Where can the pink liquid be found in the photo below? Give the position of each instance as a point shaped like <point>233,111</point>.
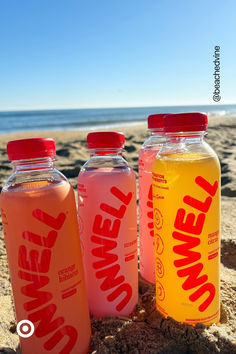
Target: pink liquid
<point>44,257</point>
<point>146,228</point>
<point>108,231</point>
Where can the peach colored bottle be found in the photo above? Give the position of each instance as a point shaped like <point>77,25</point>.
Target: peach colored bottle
<point>146,230</point>
<point>186,177</point>
<point>108,226</point>
<point>43,248</point>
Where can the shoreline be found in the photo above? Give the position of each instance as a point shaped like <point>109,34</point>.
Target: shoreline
<point>117,127</point>
<point>214,119</point>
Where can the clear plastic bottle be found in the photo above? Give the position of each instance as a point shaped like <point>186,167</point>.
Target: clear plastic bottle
<point>146,230</point>
<point>43,248</point>
<point>186,202</point>
<point>108,226</point>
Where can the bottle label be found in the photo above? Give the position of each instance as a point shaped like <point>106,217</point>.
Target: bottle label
<point>110,246</point>
<point>186,224</point>
<point>105,233</point>
<point>46,268</point>
<point>187,228</point>
<point>31,261</point>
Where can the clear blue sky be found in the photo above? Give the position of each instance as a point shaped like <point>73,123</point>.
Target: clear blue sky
<point>104,53</point>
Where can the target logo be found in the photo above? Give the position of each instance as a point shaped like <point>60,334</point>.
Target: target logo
<point>25,328</point>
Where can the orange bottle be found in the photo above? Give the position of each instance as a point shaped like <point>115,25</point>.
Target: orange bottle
<point>43,248</point>
<point>186,202</point>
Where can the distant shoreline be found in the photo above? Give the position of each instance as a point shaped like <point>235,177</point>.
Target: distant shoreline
<point>85,128</point>
<point>213,120</point>
<point>93,119</point>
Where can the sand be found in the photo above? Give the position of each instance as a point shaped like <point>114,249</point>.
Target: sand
<point>146,331</point>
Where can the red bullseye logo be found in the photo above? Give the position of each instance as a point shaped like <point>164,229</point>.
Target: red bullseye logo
<point>25,328</point>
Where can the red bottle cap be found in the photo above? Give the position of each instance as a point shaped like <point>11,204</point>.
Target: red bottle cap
<point>156,121</point>
<point>105,140</point>
<point>24,149</point>
<point>185,122</point>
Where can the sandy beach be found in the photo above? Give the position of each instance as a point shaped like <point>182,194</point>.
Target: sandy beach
<point>146,331</point>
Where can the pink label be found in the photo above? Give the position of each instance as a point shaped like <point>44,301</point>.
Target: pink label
<point>109,237</point>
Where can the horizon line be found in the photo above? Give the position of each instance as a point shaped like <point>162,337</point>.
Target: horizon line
<point>114,107</point>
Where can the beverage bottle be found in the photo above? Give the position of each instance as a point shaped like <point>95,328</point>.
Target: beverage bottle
<point>146,230</point>
<point>186,179</point>
<point>108,226</point>
<point>43,248</point>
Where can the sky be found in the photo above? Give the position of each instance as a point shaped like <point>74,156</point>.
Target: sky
<point>123,53</point>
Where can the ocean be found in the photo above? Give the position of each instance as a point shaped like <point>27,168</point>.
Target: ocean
<point>69,119</point>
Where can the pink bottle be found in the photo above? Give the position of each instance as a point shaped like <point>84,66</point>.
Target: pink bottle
<point>146,228</point>
<point>44,256</point>
<point>108,226</point>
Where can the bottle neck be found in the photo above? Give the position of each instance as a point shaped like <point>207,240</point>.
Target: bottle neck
<point>42,163</point>
<point>156,132</point>
<point>105,152</point>
<point>185,137</point>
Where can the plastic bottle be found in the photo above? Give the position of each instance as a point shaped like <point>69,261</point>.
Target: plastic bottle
<point>146,230</point>
<point>108,224</point>
<point>43,248</point>
<point>186,202</point>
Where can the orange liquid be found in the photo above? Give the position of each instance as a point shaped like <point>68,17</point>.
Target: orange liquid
<point>173,179</point>
<point>62,287</point>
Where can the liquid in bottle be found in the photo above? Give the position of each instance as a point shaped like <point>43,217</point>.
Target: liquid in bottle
<point>43,249</point>
<point>146,229</point>
<point>108,226</point>
<point>186,179</point>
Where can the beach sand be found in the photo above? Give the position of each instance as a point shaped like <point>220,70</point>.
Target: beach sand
<point>146,331</point>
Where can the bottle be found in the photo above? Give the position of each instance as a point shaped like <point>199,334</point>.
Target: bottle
<point>146,230</point>
<point>108,224</point>
<point>43,248</point>
<point>186,202</point>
